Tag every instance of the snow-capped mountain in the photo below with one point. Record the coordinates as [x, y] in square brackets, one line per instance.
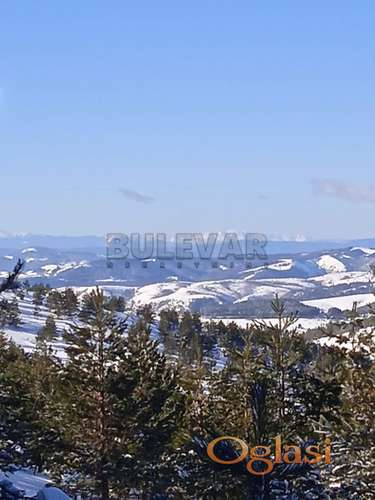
[313, 282]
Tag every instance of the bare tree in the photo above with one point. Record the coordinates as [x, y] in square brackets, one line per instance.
[10, 281]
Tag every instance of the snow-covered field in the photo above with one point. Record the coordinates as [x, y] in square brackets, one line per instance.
[342, 303]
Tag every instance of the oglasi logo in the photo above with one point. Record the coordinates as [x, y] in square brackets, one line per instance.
[287, 454]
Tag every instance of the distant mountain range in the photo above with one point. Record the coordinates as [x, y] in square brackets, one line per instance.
[319, 284]
[97, 243]
[19, 241]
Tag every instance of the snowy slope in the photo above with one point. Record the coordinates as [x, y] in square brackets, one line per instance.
[366, 251]
[185, 294]
[342, 303]
[25, 333]
[343, 278]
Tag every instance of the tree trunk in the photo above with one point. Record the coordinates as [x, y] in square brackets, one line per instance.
[104, 489]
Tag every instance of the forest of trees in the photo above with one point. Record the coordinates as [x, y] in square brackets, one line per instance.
[129, 413]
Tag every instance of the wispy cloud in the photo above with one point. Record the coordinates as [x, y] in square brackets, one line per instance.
[137, 197]
[355, 193]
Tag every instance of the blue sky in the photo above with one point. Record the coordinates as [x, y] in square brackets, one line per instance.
[187, 116]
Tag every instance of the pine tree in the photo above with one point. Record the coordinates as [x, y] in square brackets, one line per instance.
[14, 318]
[87, 309]
[9, 313]
[70, 301]
[168, 328]
[39, 294]
[121, 304]
[122, 411]
[46, 442]
[190, 338]
[4, 307]
[168, 322]
[115, 304]
[156, 410]
[55, 302]
[49, 331]
[256, 397]
[146, 313]
[15, 414]
[353, 353]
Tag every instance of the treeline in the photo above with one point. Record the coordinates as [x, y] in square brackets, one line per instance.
[258, 307]
[125, 415]
[65, 302]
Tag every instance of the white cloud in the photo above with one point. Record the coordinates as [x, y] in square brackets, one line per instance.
[355, 193]
[135, 196]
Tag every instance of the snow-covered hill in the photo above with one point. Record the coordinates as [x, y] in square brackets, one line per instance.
[331, 264]
[226, 287]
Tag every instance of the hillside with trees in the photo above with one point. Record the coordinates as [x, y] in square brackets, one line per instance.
[127, 413]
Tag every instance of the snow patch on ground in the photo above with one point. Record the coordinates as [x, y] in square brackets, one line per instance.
[348, 340]
[28, 250]
[283, 265]
[26, 480]
[50, 268]
[72, 265]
